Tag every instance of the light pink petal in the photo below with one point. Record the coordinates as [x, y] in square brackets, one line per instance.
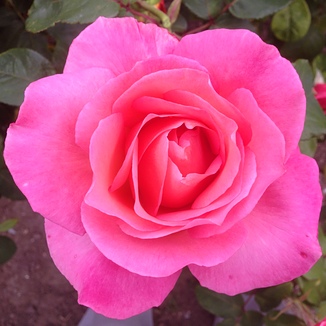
[242, 60]
[282, 241]
[118, 44]
[162, 256]
[102, 285]
[50, 169]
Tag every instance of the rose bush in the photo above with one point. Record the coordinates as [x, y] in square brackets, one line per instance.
[320, 93]
[149, 154]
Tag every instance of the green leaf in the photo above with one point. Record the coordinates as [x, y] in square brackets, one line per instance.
[45, 13]
[256, 9]
[317, 271]
[85, 11]
[205, 9]
[226, 20]
[180, 26]
[320, 64]
[14, 35]
[322, 240]
[315, 123]
[8, 187]
[305, 73]
[8, 224]
[252, 318]
[305, 48]
[63, 34]
[313, 283]
[293, 22]
[321, 310]
[18, 68]
[283, 320]
[309, 146]
[219, 304]
[7, 249]
[271, 297]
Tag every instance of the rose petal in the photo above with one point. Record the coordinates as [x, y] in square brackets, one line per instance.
[157, 257]
[151, 174]
[106, 156]
[102, 104]
[269, 155]
[282, 241]
[41, 153]
[104, 43]
[102, 285]
[242, 60]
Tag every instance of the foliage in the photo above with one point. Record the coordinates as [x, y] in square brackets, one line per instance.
[34, 41]
[7, 245]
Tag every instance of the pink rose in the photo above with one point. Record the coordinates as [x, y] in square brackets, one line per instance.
[320, 94]
[149, 154]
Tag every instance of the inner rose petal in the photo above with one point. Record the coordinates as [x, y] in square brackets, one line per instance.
[178, 158]
[189, 150]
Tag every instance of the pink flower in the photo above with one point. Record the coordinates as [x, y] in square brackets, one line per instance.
[320, 94]
[149, 154]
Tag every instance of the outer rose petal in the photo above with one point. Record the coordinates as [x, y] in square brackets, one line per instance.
[104, 43]
[162, 256]
[282, 241]
[49, 168]
[240, 59]
[102, 285]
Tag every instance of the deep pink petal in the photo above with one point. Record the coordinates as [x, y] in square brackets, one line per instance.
[105, 42]
[162, 256]
[242, 60]
[152, 170]
[159, 106]
[102, 285]
[50, 169]
[106, 156]
[180, 191]
[208, 101]
[102, 104]
[320, 90]
[282, 241]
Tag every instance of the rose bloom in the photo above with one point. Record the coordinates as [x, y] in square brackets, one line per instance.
[320, 94]
[149, 154]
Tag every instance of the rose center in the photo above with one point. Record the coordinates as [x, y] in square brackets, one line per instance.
[189, 150]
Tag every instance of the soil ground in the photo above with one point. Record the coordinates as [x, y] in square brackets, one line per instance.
[34, 293]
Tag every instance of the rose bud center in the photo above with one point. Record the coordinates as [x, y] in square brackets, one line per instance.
[181, 163]
[189, 150]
